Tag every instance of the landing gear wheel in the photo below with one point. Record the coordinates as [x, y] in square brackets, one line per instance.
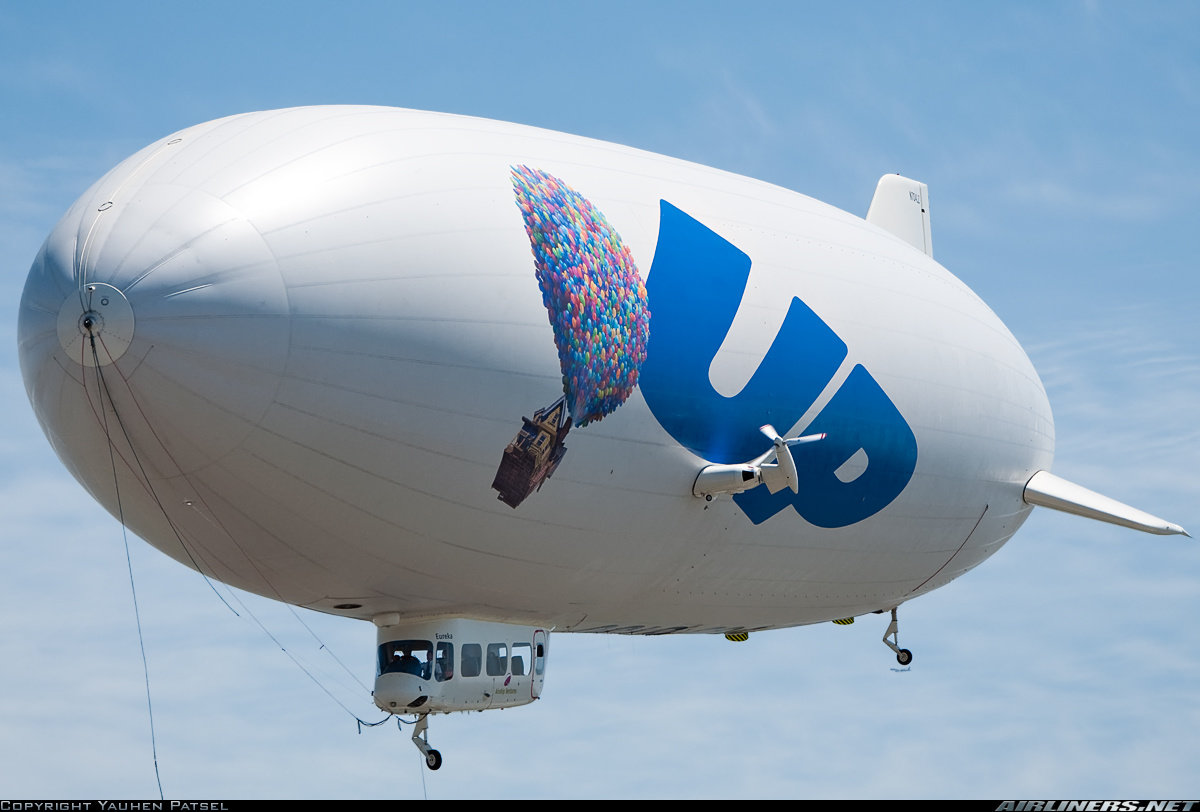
[891, 639]
[420, 737]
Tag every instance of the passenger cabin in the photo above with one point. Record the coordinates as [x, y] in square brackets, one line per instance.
[457, 664]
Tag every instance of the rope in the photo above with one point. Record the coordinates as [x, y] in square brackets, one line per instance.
[214, 520]
[145, 477]
[128, 560]
[179, 537]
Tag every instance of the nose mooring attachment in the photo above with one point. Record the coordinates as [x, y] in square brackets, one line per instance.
[96, 311]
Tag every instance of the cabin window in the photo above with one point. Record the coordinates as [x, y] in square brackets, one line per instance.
[472, 659]
[443, 663]
[540, 663]
[406, 657]
[497, 659]
[521, 658]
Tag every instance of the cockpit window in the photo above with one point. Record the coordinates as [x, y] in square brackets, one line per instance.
[407, 657]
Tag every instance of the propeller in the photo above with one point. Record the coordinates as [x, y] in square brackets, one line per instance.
[783, 454]
[717, 479]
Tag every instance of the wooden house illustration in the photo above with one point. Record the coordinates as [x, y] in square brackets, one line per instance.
[534, 453]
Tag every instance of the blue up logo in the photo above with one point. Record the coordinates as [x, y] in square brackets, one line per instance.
[694, 288]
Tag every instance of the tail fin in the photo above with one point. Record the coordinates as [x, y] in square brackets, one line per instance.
[901, 206]
[1047, 490]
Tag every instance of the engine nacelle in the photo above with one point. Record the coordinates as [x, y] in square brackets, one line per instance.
[456, 664]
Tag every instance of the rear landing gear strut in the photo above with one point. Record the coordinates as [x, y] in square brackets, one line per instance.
[420, 737]
[903, 655]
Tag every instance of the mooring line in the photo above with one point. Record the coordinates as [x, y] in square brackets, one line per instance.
[179, 535]
[128, 561]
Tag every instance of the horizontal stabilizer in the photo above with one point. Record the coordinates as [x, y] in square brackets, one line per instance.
[901, 206]
[1047, 490]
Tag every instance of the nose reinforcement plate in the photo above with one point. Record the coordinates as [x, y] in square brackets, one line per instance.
[97, 310]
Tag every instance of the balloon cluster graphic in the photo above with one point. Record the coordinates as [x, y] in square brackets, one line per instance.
[592, 291]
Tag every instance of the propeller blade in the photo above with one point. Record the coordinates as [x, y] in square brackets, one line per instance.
[808, 438]
[783, 457]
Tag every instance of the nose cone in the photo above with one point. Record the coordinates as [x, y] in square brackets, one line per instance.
[169, 298]
[395, 692]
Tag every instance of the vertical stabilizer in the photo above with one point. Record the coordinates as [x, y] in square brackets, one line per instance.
[901, 206]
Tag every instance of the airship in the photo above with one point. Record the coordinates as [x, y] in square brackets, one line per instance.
[476, 382]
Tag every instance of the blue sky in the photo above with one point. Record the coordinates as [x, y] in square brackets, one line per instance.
[1059, 142]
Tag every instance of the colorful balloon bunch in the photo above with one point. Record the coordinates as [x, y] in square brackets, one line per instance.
[592, 291]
